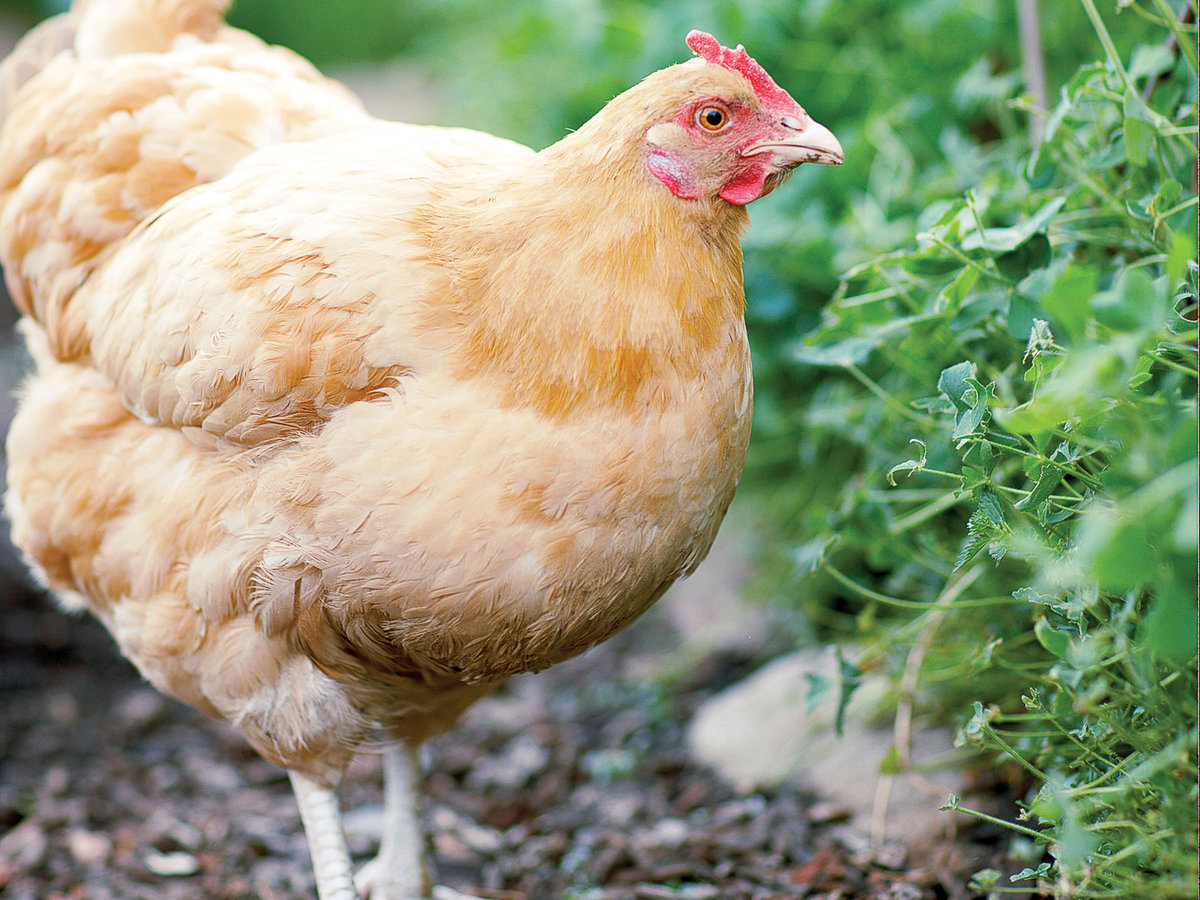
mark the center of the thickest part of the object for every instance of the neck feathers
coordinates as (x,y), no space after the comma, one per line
(585,284)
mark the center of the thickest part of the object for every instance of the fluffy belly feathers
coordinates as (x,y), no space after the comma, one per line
(378,572)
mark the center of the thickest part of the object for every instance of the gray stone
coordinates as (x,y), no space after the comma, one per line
(766,730)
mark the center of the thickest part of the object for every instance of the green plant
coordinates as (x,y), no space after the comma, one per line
(1036,347)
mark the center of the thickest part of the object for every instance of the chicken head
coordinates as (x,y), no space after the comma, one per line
(739,144)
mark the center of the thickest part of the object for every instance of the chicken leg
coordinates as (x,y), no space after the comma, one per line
(399,872)
(322,821)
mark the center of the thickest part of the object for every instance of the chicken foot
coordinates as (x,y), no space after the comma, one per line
(399,871)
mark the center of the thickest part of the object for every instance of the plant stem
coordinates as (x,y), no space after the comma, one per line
(863,591)
(1110,49)
(1036,835)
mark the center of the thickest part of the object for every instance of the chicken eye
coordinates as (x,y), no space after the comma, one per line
(712,118)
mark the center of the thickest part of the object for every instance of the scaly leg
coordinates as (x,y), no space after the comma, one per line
(326,844)
(399,871)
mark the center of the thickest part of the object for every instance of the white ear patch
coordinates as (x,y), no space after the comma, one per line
(667,135)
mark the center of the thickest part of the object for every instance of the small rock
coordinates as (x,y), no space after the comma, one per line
(172,865)
(853,840)
(667,833)
(521,760)
(56,781)
(892,855)
(22,849)
(827,812)
(746,808)
(767,730)
(609,764)
(620,805)
(141,707)
(87,847)
(217,776)
(62,708)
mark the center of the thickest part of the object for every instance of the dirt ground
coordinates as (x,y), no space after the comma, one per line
(569,785)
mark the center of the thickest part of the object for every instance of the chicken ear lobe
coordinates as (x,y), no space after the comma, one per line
(670,168)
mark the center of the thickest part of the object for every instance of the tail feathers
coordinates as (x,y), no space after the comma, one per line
(103,28)
(31,55)
(113,27)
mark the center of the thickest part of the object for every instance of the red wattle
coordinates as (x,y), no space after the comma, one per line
(746,186)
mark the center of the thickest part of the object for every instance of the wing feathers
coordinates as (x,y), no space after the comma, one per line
(255,307)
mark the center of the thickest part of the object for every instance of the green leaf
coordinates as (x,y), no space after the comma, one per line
(980,455)
(1076,844)
(1135,107)
(934,261)
(1067,301)
(1040,872)
(1021,315)
(819,687)
(968,421)
(1005,240)
(984,879)
(851,351)
(1083,79)
(1127,558)
(1183,252)
(1139,140)
(974,411)
(1046,806)
(910,466)
(1169,628)
(1031,254)
(1149,60)
(1049,478)
(1055,642)
(953,382)
(1134,304)
(1139,129)
(992,510)
(957,290)
(850,677)
(985,527)
(834,346)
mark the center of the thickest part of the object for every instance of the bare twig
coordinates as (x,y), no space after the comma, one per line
(902,728)
(1033,64)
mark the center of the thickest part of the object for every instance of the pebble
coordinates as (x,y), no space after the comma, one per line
(21,849)
(141,707)
(88,848)
(669,833)
(171,865)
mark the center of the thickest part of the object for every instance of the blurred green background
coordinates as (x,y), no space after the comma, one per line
(974,453)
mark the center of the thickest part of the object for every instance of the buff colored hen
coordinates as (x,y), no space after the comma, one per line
(338,422)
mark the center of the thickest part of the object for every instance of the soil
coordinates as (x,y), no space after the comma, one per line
(571,784)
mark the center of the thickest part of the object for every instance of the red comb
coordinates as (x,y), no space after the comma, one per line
(707,46)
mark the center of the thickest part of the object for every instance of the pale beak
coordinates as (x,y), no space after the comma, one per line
(800,142)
